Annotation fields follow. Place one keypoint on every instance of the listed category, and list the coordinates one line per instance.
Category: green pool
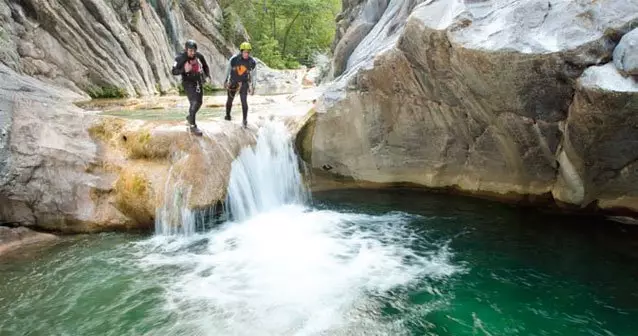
(351, 262)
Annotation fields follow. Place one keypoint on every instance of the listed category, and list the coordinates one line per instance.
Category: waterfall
(265, 177)
(262, 178)
(279, 266)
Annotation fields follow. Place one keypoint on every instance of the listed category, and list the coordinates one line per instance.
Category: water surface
(356, 263)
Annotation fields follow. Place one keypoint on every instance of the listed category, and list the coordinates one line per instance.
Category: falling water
(263, 177)
(174, 217)
(266, 176)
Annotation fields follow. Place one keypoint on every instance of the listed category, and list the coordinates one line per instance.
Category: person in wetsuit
(240, 76)
(194, 70)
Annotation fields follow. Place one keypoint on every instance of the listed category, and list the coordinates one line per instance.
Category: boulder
(468, 95)
(626, 54)
(45, 153)
(12, 239)
(599, 154)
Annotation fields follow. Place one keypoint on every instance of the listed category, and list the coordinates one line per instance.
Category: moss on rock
(133, 193)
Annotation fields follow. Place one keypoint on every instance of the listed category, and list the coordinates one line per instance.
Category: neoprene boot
(194, 130)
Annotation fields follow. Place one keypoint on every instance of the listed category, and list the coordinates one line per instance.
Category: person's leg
(232, 90)
(191, 94)
(243, 95)
(196, 103)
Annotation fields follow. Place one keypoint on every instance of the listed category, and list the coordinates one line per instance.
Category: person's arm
(178, 66)
(204, 65)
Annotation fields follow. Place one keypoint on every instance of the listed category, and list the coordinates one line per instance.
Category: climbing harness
(236, 89)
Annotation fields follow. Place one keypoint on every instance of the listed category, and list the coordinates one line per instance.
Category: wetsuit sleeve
(178, 66)
(204, 65)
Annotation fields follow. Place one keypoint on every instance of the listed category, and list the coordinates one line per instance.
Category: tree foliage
(284, 33)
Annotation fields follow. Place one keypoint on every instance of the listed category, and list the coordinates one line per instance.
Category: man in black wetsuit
(240, 76)
(194, 70)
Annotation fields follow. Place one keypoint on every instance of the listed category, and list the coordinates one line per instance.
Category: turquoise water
(169, 114)
(355, 262)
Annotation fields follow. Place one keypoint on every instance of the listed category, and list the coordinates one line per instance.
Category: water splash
(267, 176)
(295, 270)
(282, 267)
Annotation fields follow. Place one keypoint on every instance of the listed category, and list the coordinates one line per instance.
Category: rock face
(126, 44)
(486, 97)
(114, 46)
(599, 156)
(65, 169)
(353, 24)
(44, 153)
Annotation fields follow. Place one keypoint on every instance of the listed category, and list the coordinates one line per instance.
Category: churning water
(281, 267)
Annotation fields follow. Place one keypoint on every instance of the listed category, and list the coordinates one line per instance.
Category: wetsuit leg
(195, 94)
(232, 90)
(243, 95)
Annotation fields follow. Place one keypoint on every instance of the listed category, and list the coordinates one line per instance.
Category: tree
(287, 33)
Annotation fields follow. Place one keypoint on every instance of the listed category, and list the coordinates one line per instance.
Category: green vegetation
(284, 33)
(133, 192)
(141, 145)
(96, 92)
(106, 128)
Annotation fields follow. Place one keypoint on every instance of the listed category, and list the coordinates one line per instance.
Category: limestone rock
(124, 45)
(44, 154)
(353, 24)
(599, 158)
(65, 169)
(470, 95)
(626, 54)
(20, 237)
(274, 82)
(8, 49)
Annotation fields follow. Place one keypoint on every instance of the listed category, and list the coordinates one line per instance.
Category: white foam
(296, 271)
(282, 268)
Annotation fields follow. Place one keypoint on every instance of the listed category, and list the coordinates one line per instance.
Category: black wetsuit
(240, 75)
(192, 81)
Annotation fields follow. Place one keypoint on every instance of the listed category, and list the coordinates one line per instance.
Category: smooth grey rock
(15, 238)
(626, 54)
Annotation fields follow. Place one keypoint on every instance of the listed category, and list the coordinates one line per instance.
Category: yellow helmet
(245, 46)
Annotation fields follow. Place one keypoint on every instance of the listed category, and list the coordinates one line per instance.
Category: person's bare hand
(188, 67)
